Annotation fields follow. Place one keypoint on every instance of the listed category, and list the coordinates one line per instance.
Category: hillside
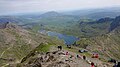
(106, 45)
(22, 48)
(95, 28)
(16, 43)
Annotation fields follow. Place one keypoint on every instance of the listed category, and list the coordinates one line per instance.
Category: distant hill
(50, 14)
(100, 26)
(99, 15)
(95, 28)
(96, 13)
(9, 19)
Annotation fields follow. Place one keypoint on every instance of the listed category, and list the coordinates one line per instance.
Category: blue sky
(23, 6)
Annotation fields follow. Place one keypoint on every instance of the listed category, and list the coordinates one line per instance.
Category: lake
(68, 39)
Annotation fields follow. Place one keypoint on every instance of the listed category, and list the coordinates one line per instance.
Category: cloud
(16, 6)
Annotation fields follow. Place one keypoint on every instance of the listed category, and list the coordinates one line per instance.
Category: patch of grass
(35, 28)
(44, 47)
(102, 59)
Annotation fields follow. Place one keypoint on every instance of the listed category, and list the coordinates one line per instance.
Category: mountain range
(98, 30)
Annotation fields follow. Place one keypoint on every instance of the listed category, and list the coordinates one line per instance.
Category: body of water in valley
(68, 39)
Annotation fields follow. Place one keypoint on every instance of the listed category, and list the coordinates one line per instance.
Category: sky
(26, 6)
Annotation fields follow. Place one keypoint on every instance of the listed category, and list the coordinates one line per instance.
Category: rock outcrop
(3, 25)
(115, 23)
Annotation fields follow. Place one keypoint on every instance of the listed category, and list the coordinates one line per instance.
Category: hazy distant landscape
(89, 22)
(32, 32)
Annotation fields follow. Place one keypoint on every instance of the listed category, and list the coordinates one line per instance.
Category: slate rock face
(107, 19)
(115, 23)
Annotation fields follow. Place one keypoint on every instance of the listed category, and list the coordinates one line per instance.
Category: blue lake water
(68, 39)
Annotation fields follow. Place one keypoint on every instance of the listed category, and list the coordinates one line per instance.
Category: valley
(25, 40)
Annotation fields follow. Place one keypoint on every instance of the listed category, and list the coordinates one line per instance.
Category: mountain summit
(51, 14)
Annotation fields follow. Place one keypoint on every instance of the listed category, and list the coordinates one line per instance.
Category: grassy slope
(16, 43)
(106, 45)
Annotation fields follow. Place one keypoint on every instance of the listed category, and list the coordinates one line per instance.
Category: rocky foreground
(59, 59)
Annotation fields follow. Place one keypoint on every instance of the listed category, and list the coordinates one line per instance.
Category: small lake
(68, 39)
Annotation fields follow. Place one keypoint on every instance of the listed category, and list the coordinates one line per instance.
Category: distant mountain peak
(54, 12)
(51, 14)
